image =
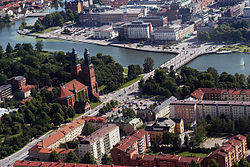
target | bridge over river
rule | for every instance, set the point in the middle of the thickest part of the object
(36, 14)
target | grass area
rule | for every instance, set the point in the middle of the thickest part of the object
(94, 105)
(101, 88)
(236, 48)
(48, 30)
(125, 70)
(130, 82)
(189, 154)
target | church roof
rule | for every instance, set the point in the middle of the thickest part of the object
(64, 92)
(74, 83)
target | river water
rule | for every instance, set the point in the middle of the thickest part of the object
(226, 62)
(124, 56)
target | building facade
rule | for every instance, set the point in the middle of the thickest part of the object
(100, 141)
(138, 30)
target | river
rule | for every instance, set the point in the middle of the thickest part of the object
(124, 56)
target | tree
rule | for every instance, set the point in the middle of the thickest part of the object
(186, 140)
(3, 79)
(88, 129)
(106, 160)
(71, 157)
(176, 141)
(58, 119)
(213, 163)
(54, 157)
(128, 112)
(148, 65)
(71, 112)
(88, 158)
(38, 26)
(1, 52)
(29, 117)
(134, 71)
(203, 36)
(39, 46)
(9, 48)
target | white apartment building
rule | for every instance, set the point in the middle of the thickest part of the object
(167, 33)
(5, 91)
(104, 32)
(100, 141)
(139, 30)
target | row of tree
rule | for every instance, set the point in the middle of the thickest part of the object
(227, 32)
(108, 107)
(4, 20)
(167, 83)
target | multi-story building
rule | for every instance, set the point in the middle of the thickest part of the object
(206, 27)
(166, 34)
(164, 108)
(77, 5)
(67, 133)
(246, 11)
(232, 151)
(97, 122)
(138, 30)
(185, 110)
(104, 32)
(156, 21)
(137, 143)
(17, 83)
(5, 91)
(190, 111)
(186, 30)
(100, 141)
(162, 125)
(110, 16)
(221, 94)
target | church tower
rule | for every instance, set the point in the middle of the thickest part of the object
(87, 75)
(75, 67)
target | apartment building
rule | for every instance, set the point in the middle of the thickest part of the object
(100, 141)
(190, 111)
(138, 30)
(232, 151)
(97, 122)
(67, 133)
(221, 94)
(164, 108)
(5, 91)
(137, 143)
(162, 125)
(186, 30)
(156, 21)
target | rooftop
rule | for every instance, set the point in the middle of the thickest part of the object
(121, 11)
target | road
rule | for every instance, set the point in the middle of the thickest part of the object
(186, 55)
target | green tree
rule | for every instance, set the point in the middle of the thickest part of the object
(88, 129)
(71, 112)
(72, 158)
(29, 117)
(58, 119)
(39, 45)
(203, 36)
(213, 163)
(129, 112)
(134, 71)
(148, 65)
(54, 157)
(38, 26)
(9, 48)
(1, 52)
(3, 79)
(88, 158)
(106, 160)
(186, 140)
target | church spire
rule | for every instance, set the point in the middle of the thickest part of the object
(74, 57)
(87, 60)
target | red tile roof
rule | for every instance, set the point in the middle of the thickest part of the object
(27, 88)
(78, 85)
(24, 101)
(64, 93)
(95, 119)
(55, 164)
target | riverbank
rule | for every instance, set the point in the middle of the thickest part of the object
(235, 49)
(133, 46)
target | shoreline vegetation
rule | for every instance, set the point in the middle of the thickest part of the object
(235, 48)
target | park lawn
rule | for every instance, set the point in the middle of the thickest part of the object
(130, 82)
(237, 48)
(48, 30)
(94, 105)
(189, 154)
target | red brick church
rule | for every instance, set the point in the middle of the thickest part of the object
(76, 92)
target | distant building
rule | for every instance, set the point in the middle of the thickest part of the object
(97, 122)
(137, 30)
(100, 141)
(206, 27)
(104, 32)
(164, 109)
(77, 5)
(166, 33)
(246, 11)
(126, 125)
(109, 17)
(156, 21)
(162, 125)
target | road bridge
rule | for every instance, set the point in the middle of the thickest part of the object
(36, 14)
